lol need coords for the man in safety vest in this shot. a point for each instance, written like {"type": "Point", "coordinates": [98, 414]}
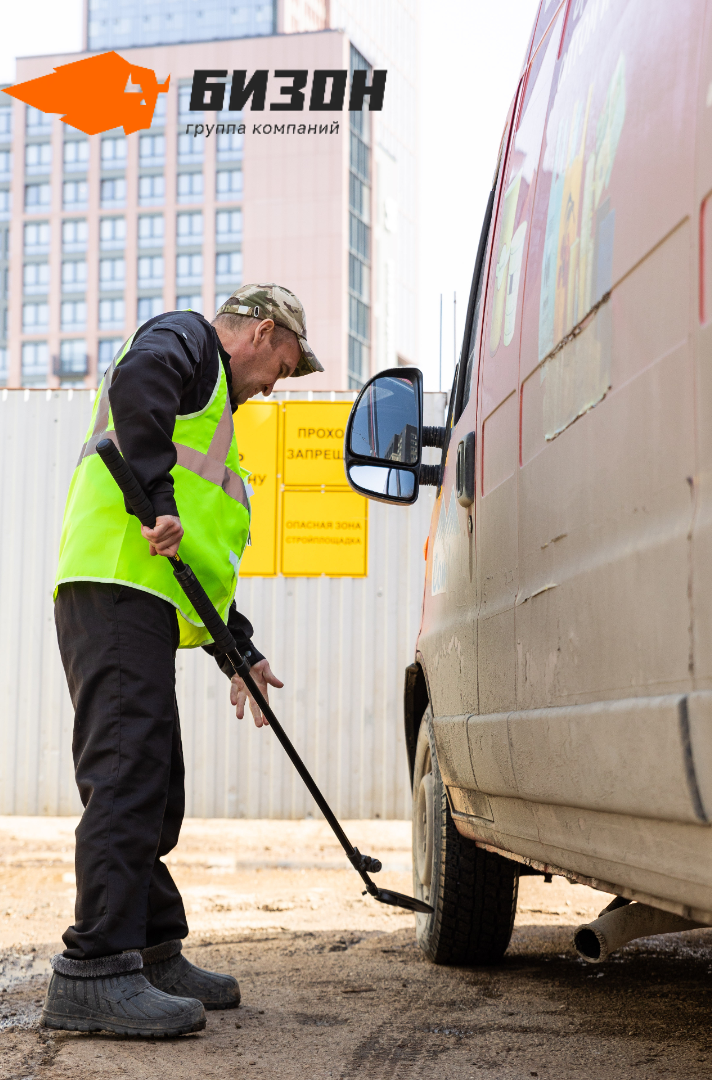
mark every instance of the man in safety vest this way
{"type": "Point", "coordinates": [167, 401]}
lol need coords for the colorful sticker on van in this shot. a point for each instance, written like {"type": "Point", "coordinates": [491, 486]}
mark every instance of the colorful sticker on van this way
{"type": "Point", "coordinates": [508, 268]}
{"type": "Point", "coordinates": [577, 261]}
{"type": "Point", "coordinates": [446, 537]}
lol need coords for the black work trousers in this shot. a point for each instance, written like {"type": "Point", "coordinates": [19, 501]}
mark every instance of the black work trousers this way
{"type": "Point", "coordinates": [118, 648]}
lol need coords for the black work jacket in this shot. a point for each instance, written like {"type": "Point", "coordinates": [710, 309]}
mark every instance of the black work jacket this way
{"type": "Point", "coordinates": [169, 371]}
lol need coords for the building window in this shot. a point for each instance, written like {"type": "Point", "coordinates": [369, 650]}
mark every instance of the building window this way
{"type": "Point", "coordinates": [37, 123]}
{"type": "Point", "coordinates": [221, 298]}
{"type": "Point", "coordinates": [189, 228]}
{"type": "Point", "coordinates": [4, 365]}
{"type": "Point", "coordinates": [76, 155]}
{"type": "Point", "coordinates": [113, 153]}
{"type": "Point", "coordinates": [230, 145]}
{"type": "Point", "coordinates": [74, 314]}
{"type": "Point", "coordinates": [190, 187]}
{"type": "Point", "coordinates": [189, 269]}
{"type": "Point", "coordinates": [36, 238]}
{"type": "Point", "coordinates": [4, 204]}
{"type": "Point", "coordinates": [75, 194]}
{"type": "Point", "coordinates": [74, 275]}
{"type": "Point", "coordinates": [74, 235]}
{"type": "Point", "coordinates": [190, 148]}
{"type": "Point", "coordinates": [149, 307]}
{"type": "Point", "coordinates": [150, 271]}
{"type": "Point", "coordinates": [111, 314]}
{"type": "Point", "coordinates": [228, 185]}
{"type": "Point", "coordinates": [192, 301]}
{"type": "Point", "coordinates": [35, 317]}
{"type": "Point", "coordinates": [112, 233]}
{"type": "Point", "coordinates": [37, 197]}
{"type": "Point", "coordinates": [38, 158]}
{"type": "Point", "coordinates": [113, 193]}
{"type": "Point", "coordinates": [112, 273]}
{"type": "Point", "coordinates": [228, 226]}
{"type": "Point", "coordinates": [151, 190]}
{"type": "Point", "coordinates": [108, 348]}
{"type": "Point", "coordinates": [5, 164]}
{"type": "Point", "coordinates": [5, 121]}
{"type": "Point", "coordinates": [359, 359]}
{"type": "Point", "coordinates": [150, 231]}
{"type": "Point", "coordinates": [228, 268]}
{"type": "Point", "coordinates": [185, 116]}
{"type": "Point", "coordinates": [359, 279]}
{"type": "Point", "coordinates": [72, 358]}
{"type": "Point", "coordinates": [35, 278]}
{"type": "Point", "coordinates": [159, 113]}
{"type": "Point", "coordinates": [35, 362]}
{"type": "Point", "coordinates": [151, 150]}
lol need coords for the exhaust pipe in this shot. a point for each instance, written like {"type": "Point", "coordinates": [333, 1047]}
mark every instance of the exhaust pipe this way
{"type": "Point", "coordinates": [622, 922]}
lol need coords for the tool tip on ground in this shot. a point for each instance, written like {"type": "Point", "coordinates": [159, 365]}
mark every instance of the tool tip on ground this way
{"type": "Point", "coordinates": [396, 899]}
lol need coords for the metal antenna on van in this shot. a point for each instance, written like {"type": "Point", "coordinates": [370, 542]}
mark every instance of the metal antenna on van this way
{"type": "Point", "coordinates": [142, 507]}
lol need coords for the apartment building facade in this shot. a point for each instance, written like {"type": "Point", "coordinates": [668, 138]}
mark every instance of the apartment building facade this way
{"type": "Point", "coordinates": [99, 233]}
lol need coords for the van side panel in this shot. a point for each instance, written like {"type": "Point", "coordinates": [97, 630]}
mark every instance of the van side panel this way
{"type": "Point", "coordinates": [701, 228]}
{"type": "Point", "coordinates": [589, 747]}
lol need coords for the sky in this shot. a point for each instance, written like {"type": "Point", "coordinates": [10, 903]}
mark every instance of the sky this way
{"type": "Point", "coordinates": [471, 57]}
{"type": "Point", "coordinates": [471, 54]}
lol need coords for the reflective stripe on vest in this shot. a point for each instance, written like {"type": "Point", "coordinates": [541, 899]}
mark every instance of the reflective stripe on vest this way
{"type": "Point", "coordinates": [210, 466]}
{"type": "Point", "coordinates": [101, 542]}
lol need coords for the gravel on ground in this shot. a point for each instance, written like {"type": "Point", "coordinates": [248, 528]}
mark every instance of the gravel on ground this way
{"type": "Point", "coordinates": [334, 985]}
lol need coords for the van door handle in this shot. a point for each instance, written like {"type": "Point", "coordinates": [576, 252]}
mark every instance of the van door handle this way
{"type": "Point", "coordinates": [465, 470]}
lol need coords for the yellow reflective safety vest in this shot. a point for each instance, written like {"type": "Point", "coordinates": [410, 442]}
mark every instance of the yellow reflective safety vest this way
{"type": "Point", "coordinates": [101, 542]}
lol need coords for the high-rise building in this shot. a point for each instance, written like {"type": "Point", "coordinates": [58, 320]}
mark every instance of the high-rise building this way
{"type": "Point", "coordinates": [99, 233]}
{"type": "Point", "coordinates": [121, 24]}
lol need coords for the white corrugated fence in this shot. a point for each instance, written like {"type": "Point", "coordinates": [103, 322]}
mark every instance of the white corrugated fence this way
{"type": "Point", "coordinates": [339, 644]}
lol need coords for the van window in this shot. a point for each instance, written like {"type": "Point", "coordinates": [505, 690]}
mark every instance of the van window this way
{"type": "Point", "coordinates": [507, 263]}
{"type": "Point", "coordinates": [546, 14]}
{"type": "Point", "coordinates": [507, 260]}
{"type": "Point", "coordinates": [471, 336]}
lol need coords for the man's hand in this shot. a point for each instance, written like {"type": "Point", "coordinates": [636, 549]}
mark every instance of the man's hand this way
{"type": "Point", "coordinates": [262, 675]}
{"type": "Point", "coordinates": [165, 536]}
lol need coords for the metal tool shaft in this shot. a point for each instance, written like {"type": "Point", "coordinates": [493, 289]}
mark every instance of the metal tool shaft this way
{"type": "Point", "coordinates": [142, 507]}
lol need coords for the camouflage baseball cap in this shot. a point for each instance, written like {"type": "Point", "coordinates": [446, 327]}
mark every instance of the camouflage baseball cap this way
{"type": "Point", "coordinates": [275, 302]}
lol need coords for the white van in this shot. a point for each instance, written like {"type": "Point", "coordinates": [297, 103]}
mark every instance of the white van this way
{"type": "Point", "coordinates": [559, 707]}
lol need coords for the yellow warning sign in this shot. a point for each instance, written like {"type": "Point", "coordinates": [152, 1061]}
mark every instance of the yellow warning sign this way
{"type": "Point", "coordinates": [324, 532]}
{"type": "Point", "coordinates": [314, 443]}
{"type": "Point", "coordinates": [257, 430]}
{"type": "Point", "coordinates": [306, 521]}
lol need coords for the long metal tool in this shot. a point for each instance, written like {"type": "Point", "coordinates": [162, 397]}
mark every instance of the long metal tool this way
{"type": "Point", "coordinates": [143, 509]}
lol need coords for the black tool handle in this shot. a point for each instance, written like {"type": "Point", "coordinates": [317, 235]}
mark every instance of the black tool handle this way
{"type": "Point", "coordinates": [143, 509]}
{"type": "Point", "coordinates": [361, 863]}
{"type": "Point", "coordinates": [203, 605]}
{"type": "Point", "coordinates": [132, 491]}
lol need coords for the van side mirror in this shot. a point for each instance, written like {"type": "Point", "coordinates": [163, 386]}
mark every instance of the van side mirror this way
{"type": "Point", "coordinates": [384, 437]}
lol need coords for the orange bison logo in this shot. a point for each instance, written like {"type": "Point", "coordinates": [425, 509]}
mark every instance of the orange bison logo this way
{"type": "Point", "coordinates": [92, 94]}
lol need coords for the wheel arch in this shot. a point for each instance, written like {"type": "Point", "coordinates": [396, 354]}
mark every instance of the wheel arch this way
{"type": "Point", "coordinates": [415, 700]}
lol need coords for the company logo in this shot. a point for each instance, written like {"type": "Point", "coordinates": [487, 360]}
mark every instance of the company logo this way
{"type": "Point", "coordinates": [327, 91]}
{"type": "Point", "coordinates": [96, 94]}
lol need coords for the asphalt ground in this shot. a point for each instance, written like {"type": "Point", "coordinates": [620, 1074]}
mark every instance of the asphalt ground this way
{"type": "Point", "coordinates": [334, 985]}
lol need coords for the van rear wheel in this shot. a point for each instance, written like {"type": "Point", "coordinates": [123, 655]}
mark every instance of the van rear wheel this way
{"type": "Point", "coordinates": [473, 891]}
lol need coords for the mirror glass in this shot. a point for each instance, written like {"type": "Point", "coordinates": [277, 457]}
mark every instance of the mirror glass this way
{"type": "Point", "coordinates": [379, 479]}
{"type": "Point", "coordinates": [385, 424]}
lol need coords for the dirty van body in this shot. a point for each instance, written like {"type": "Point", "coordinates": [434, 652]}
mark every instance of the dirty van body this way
{"type": "Point", "coordinates": [559, 708]}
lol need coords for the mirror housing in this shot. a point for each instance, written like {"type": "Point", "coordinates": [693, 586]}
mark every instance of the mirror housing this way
{"type": "Point", "coordinates": [383, 445]}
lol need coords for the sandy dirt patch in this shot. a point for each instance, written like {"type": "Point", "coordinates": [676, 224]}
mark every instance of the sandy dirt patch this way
{"type": "Point", "coordinates": [334, 984]}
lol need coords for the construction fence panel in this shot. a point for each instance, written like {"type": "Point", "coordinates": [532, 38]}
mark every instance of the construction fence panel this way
{"type": "Point", "coordinates": [339, 644]}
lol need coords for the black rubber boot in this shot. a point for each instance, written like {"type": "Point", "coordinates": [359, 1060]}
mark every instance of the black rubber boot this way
{"type": "Point", "coordinates": [167, 969]}
{"type": "Point", "coordinates": [112, 994]}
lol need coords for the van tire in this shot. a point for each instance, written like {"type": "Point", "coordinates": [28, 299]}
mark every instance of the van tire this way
{"type": "Point", "coordinates": [473, 891]}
